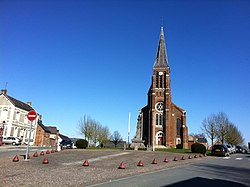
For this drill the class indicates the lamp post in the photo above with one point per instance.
(1, 133)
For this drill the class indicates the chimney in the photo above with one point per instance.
(29, 103)
(4, 92)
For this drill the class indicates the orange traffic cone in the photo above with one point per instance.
(85, 163)
(15, 159)
(45, 161)
(165, 160)
(42, 153)
(154, 162)
(121, 166)
(190, 157)
(175, 158)
(140, 164)
(35, 154)
(183, 158)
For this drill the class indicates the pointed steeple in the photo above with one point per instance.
(161, 60)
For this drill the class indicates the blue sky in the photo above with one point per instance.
(92, 57)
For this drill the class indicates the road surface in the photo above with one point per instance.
(222, 171)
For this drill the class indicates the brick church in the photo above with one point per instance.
(161, 123)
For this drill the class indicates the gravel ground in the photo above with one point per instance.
(65, 167)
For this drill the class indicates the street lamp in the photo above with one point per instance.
(1, 133)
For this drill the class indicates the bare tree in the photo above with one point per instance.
(96, 126)
(233, 136)
(103, 135)
(116, 138)
(209, 127)
(85, 127)
(93, 131)
(222, 122)
(219, 126)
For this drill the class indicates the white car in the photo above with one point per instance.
(234, 148)
(11, 140)
(230, 148)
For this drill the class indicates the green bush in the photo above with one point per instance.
(198, 148)
(81, 144)
(179, 146)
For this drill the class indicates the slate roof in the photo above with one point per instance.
(53, 130)
(49, 129)
(43, 126)
(161, 60)
(64, 137)
(202, 140)
(19, 104)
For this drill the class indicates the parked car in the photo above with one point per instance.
(220, 150)
(230, 148)
(12, 140)
(68, 144)
(240, 149)
(234, 148)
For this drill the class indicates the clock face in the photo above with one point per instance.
(159, 106)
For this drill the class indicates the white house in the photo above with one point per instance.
(13, 117)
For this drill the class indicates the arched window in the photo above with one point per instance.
(158, 119)
(157, 80)
(161, 81)
(161, 119)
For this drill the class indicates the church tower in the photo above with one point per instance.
(162, 123)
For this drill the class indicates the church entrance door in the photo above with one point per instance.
(159, 138)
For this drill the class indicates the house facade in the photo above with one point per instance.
(161, 123)
(46, 136)
(13, 118)
(194, 139)
(42, 135)
(54, 133)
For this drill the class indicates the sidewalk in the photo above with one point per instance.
(4, 146)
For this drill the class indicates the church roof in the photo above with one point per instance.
(177, 107)
(161, 60)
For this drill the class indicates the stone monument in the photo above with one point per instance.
(137, 142)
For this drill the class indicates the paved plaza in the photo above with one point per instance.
(65, 168)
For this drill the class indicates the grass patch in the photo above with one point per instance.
(170, 150)
(174, 150)
(104, 148)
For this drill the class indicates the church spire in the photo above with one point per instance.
(161, 60)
